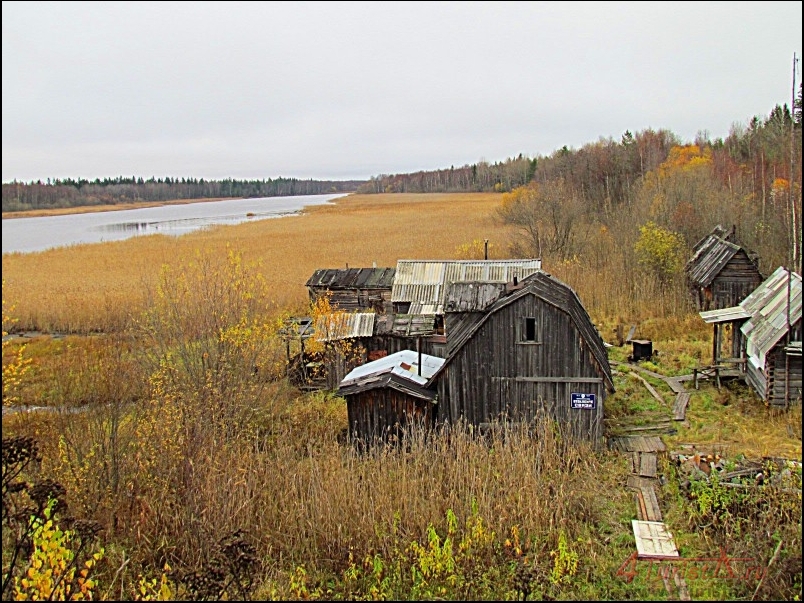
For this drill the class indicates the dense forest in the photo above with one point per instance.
(21, 196)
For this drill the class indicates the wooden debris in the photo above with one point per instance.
(647, 464)
(653, 540)
(680, 406)
(650, 388)
(638, 444)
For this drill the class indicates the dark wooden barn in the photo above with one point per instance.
(765, 331)
(388, 395)
(721, 273)
(534, 351)
(354, 289)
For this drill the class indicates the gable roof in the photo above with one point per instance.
(710, 256)
(400, 371)
(768, 307)
(423, 283)
(352, 278)
(554, 292)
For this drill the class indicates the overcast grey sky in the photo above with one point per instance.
(342, 90)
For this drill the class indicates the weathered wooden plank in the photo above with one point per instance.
(649, 387)
(680, 406)
(635, 462)
(683, 591)
(640, 505)
(557, 379)
(652, 511)
(647, 464)
(636, 482)
(654, 444)
(675, 384)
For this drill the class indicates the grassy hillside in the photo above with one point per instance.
(200, 471)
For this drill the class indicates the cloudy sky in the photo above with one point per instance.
(343, 90)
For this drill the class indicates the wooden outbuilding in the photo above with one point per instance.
(766, 337)
(721, 273)
(390, 394)
(354, 289)
(532, 352)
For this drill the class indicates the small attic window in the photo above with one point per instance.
(530, 331)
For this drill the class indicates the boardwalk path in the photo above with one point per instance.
(643, 444)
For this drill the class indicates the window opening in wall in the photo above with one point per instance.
(530, 329)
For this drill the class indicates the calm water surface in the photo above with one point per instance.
(38, 234)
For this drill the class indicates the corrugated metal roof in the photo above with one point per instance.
(344, 325)
(404, 364)
(768, 305)
(425, 281)
(352, 278)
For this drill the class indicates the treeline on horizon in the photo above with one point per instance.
(55, 194)
(605, 174)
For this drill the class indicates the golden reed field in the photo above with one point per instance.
(95, 286)
(98, 287)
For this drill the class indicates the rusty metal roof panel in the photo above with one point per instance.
(344, 325)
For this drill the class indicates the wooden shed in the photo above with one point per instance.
(721, 273)
(354, 289)
(385, 396)
(534, 351)
(766, 337)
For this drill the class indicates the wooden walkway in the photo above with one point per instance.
(650, 533)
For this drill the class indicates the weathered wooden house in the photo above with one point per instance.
(534, 351)
(385, 396)
(721, 273)
(354, 289)
(766, 337)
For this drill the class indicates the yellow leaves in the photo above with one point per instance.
(661, 250)
(688, 157)
(15, 365)
(565, 561)
(51, 572)
(476, 250)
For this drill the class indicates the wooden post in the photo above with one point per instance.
(715, 343)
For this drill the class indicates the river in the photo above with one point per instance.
(25, 235)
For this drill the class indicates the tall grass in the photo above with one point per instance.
(99, 287)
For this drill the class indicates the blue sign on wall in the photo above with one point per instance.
(587, 401)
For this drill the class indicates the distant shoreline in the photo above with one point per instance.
(87, 209)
